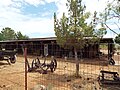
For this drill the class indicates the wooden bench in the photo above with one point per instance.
(108, 72)
(115, 80)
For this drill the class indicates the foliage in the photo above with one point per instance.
(9, 34)
(20, 36)
(1, 37)
(117, 39)
(71, 31)
(112, 11)
(104, 46)
(74, 31)
(111, 14)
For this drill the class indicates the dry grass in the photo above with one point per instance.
(12, 76)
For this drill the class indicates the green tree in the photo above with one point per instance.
(115, 10)
(117, 39)
(112, 11)
(1, 37)
(72, 31)
(20, 36)
(8, 34)
(112, 14)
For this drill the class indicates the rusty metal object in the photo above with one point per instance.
(36, 64)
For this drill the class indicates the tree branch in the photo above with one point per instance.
(117, 25)
(110, 29)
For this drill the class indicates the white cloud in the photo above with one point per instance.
(61, 4)
(5, 2)
(49, 1)
(29, 25)
(11, 15)
(37, 25)
(35, 2)
(95, 5)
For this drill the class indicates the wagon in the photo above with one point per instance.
(8, 55)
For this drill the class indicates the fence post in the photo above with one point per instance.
(25, 55)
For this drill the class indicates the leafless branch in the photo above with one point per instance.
(110, 29)
(117, 25)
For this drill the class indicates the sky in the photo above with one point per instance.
(34, 18)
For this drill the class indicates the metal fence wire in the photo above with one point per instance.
(51, 67)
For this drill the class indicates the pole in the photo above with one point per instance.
(25, 55)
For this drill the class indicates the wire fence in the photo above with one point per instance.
(92, 60)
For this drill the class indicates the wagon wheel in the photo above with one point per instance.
(111, 61)
(44, 67)
(29, 68)
(53, 65)
(13, 59)
(35, 63)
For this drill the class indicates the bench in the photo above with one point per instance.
(115, 79)
(108, 72)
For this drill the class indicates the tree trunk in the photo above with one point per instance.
(77, 62)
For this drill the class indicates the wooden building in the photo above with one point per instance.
(42, 46)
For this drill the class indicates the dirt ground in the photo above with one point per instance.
(12, 77)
